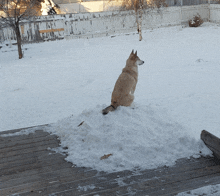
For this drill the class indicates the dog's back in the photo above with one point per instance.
(123, 93)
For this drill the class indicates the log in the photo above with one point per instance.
(212, 142)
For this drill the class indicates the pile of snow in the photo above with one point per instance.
(211, 190)
(135, 137)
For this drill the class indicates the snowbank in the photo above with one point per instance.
(135, 137)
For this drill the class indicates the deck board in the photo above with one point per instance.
(212, 142)
(28, 167)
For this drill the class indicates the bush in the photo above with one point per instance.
(196, 21)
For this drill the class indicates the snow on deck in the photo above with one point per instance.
(30, 166)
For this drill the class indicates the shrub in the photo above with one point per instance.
(196, 21)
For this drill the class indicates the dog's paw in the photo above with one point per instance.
(133, 106)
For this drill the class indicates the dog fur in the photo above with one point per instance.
(123, 93)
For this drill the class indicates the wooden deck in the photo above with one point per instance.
(28, 167)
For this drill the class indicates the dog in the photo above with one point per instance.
(123, 93)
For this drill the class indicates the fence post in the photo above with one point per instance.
(181, 4)
(209, 2)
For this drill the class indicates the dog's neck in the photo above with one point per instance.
(135, 69)
(132, 71)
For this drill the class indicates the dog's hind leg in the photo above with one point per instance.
(108, 109)
(127, 101)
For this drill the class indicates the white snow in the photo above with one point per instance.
(211, 190)
(70, 82)
(140, 137)
(85, 188)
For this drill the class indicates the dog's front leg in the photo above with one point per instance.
(133, 89)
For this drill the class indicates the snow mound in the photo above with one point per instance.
(132, 138)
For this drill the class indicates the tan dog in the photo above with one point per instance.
(123, 93)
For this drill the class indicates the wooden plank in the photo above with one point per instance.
(30, 148)
(161, 186)
(39, 127)
(172, 177)
(68, 186)
(62, 174)
(19, 139)
(212, 142)
(108, 182)
(24, 144)
(109, 188)
(29, 159)
(192, 184)
(34, 186)
(43, 152)
(36, 171)
(51, 30)
(28, 165)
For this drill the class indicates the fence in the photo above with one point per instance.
(88, 25)
(186, 2)
(190, 2)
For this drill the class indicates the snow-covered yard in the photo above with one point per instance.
(69, 82)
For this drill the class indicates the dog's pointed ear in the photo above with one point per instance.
(135, 53)
(132, 52)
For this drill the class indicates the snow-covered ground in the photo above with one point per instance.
(211, 190)
(69, 82)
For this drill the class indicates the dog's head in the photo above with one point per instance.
(133, 57)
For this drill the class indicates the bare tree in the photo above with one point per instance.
(139, 6)
(14, 11)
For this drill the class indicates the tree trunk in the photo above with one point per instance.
(137, 21)
(140, 19)
(140, 27)
(18, 36)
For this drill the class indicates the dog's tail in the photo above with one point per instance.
(108, 109)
